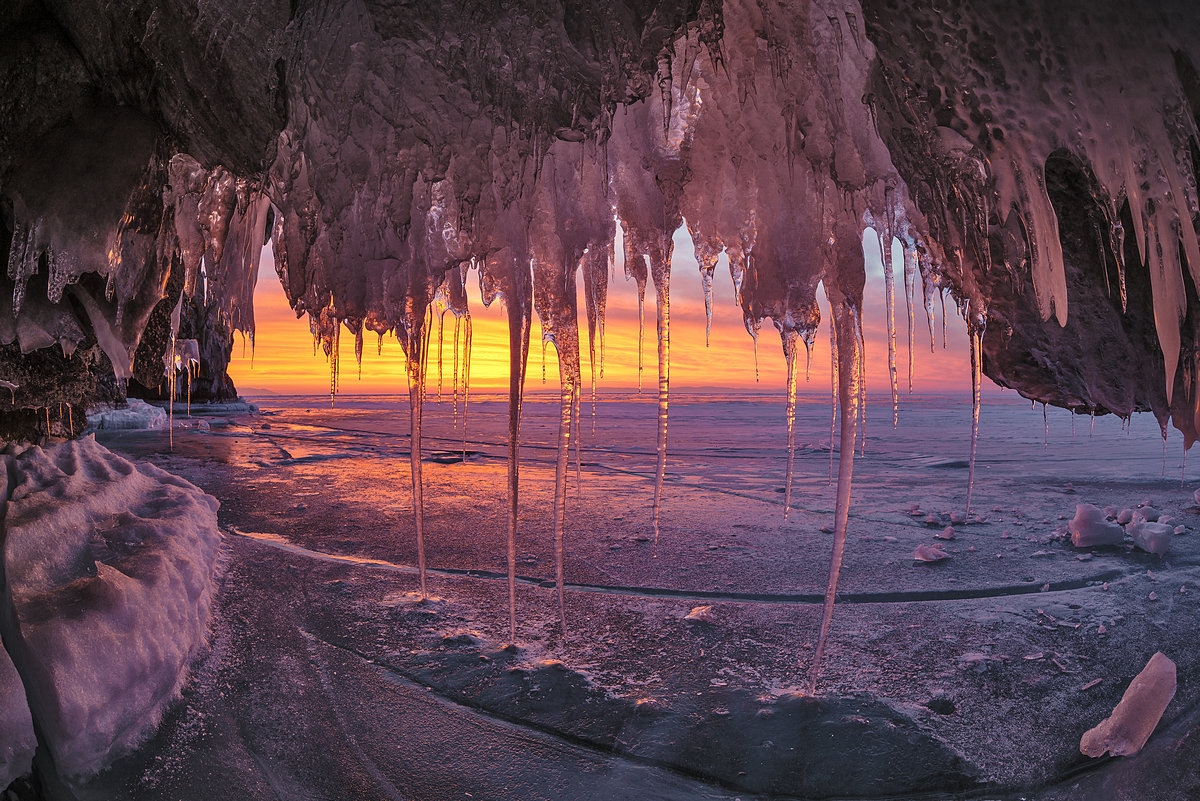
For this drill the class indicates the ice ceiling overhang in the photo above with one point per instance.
(1038, 160)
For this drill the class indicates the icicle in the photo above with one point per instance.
(47, 422)
(862, 393)
(71, 420)
(333, 364)
(1164, 439)
(706, 281)
(641, 336)
(441, 333)
(457, 330)
(1046, 428)
(849, 358)
(566, 406)
(789, 353)
(889, 293)
(910, 287)
(518, 303)
(416, 396)
(358, 351)
(662, 284)
(1092, 426)
(942, 295)
(543, 360)
(833, 387)
(976, 334)
(466, 377)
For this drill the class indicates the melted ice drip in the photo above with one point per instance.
(466, 375)
(846, 318)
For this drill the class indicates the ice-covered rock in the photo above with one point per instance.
(1152, 537)
(17, 741)
(109, 569)
(136, 416)
(1090, 528)
(1127, 729)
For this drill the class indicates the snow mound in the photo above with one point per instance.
(109, 569)
(17, 742)
(139, 415)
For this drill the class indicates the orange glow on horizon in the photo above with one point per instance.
(282, 360)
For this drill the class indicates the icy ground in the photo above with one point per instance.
(678, 675)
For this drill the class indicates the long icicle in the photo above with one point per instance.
(457, 331)
(910, 286)
(789, 351)
(466, 377)
(833, 387)
(889, 293)
(846, 319)
(416, 396)
(568, 391)
(519, 323)
(441, 333)
(662, 286)
(976, 395)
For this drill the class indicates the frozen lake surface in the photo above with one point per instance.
(329, 678)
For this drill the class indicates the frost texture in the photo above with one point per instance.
(109, 579)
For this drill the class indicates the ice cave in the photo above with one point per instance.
(572, 590)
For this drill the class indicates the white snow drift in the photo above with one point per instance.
(109, 572)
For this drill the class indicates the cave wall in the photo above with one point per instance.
(1037, 160)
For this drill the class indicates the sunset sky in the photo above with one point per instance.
(283, 362)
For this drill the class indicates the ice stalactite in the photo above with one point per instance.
(415, 369)
(509, 277)
(833, 388)
(889, 295)
(976, 323)
(662, 285)
(466, 379)
(595, 266)
(440, 342)
(454, 383)
(846, 319)
(911, 276)
(790, 339)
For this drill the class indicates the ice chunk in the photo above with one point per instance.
(110, 578)
(1089, 528)
(1125, 516)
(945, 534)
(139, 415)
(17, 741)
(929, 553)
(1146, 514)
(1127, 729)
(1152, 537)
(1196, 496)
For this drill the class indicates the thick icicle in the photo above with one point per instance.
(519, 308)
(846, 320)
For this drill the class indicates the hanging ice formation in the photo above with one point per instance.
(1007, 147)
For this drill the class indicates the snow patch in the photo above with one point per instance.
(110, 577)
